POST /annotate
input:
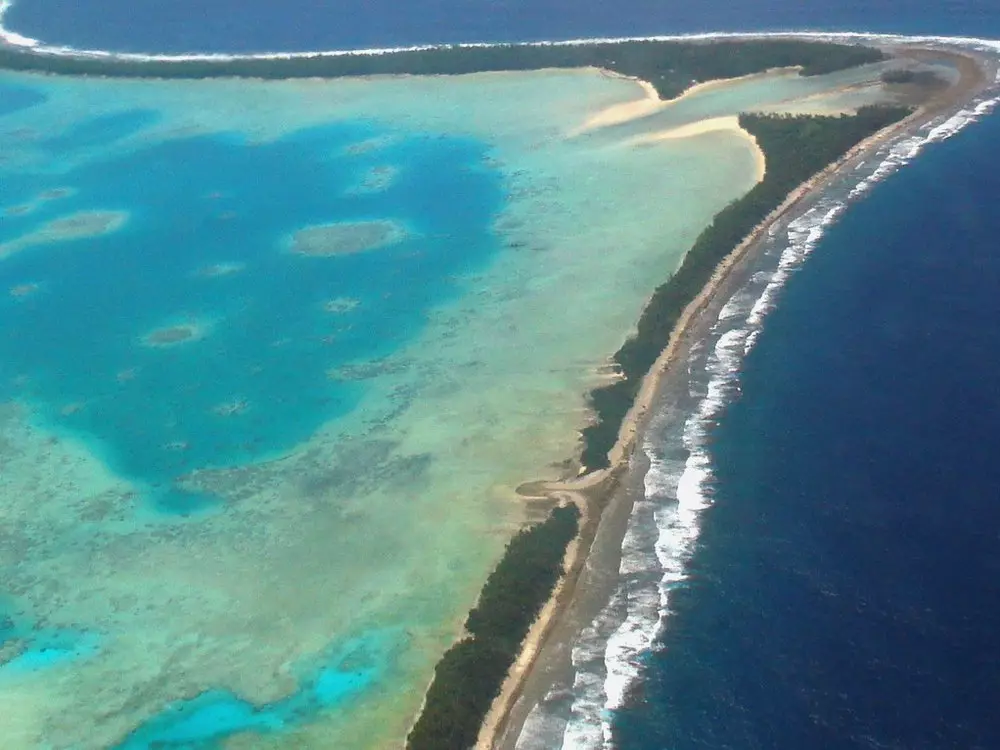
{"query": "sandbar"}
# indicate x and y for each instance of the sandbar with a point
(650, 102)
(622, 112)
(346, 238)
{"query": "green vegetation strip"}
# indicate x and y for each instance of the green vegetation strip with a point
(470, 674)
(670, 66)
(796, 148)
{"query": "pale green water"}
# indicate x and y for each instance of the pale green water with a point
(379, 527)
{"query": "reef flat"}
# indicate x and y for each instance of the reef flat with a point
(173, 335)
(320, 486)
(346, 237)
(75, 226)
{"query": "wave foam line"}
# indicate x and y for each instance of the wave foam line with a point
(678, 490)
(13, 39)
(9, 37)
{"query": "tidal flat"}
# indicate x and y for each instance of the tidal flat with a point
(267, 536)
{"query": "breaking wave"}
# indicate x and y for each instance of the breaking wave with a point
(12, 38)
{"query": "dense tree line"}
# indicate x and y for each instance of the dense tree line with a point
(470, 674)
(916, 77)
(796, 147)
(670, 66)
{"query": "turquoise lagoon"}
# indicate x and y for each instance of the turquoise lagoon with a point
(274, 357)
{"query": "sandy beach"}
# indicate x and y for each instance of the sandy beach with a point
(651, 102)
(730, 123)
(591, 561)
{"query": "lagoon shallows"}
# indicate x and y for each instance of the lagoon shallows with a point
(253, 492)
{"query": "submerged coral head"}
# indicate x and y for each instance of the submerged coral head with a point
(347, 238)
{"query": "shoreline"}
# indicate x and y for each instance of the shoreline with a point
(12, 40)
(651, 103)
(599, 494)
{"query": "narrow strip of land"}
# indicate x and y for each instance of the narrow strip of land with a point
(568, 609)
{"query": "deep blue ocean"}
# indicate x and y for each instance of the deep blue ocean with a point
(240, 26)
(845, 592)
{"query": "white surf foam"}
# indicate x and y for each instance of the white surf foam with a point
(12, 37)
(15, 39)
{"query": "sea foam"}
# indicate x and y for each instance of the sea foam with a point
(15, 39)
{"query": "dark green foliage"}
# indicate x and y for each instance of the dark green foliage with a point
(670, 66)
(466, 681)
(796, 147)
(918, 77)
(470, 674)
(510, 600)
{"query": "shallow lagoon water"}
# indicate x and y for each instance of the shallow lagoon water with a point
(248, 375)
(267, 531)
